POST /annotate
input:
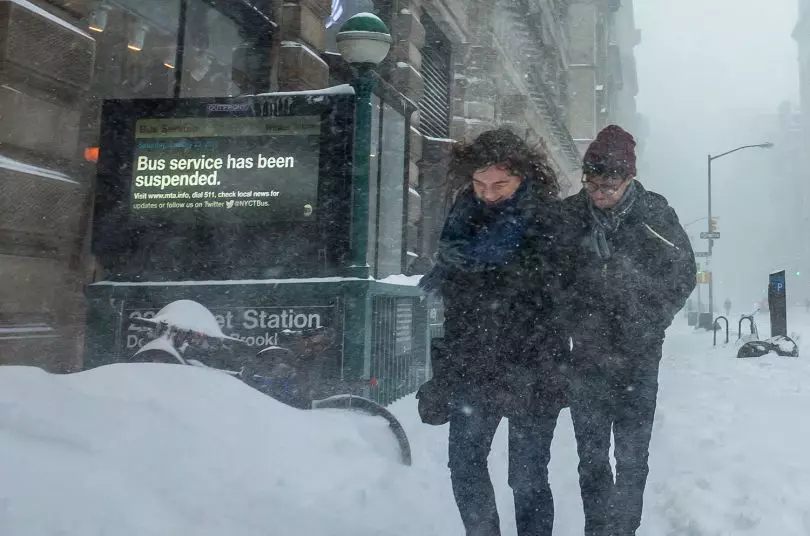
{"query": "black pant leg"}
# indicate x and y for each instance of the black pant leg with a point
(632, 430)
(472, 427)
(592, 415)
(530, 439)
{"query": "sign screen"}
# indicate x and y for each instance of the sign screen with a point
(254, 169)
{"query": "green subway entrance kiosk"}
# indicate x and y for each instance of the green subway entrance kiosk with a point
(245, 205)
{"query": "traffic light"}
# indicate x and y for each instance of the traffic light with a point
(713, 225)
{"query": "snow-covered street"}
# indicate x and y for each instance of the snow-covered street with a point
(164, 450)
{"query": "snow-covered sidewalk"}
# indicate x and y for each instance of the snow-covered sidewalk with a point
(164, 450)
(729, 454)
(729, 451)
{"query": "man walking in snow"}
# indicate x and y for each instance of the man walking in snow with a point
(727, 306)
(632, 269)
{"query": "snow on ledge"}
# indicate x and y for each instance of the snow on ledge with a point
(53, 18)
(36, 171)
(404, 280)
(442, 140)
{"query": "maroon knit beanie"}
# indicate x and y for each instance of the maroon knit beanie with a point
(612, 152)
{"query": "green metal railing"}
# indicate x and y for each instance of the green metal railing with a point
(398, 347)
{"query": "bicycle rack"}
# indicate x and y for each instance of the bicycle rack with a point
(716, 326)
(752, 326)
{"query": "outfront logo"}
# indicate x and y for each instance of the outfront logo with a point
(236, 107)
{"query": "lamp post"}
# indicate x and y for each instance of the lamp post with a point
(710, 159)
(364, 42)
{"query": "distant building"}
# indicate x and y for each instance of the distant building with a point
(625, 37)
(602, 68)
(801, 33)
(795, 124)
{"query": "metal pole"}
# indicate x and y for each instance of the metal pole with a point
(711, 242)
(709, 160)
(364, 87)
(180, 51)
(697, 287)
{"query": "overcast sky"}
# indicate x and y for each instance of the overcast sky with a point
(715, 56)
(708, 69)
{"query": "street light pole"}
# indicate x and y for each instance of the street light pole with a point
(364, 42)
(363, 84)
(710, 159)
(711, 241)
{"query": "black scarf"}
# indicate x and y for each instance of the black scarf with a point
(607, 221)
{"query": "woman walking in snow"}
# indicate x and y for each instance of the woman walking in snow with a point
(498, 358)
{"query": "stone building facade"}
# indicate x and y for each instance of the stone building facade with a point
(551, 69)
(602, 69)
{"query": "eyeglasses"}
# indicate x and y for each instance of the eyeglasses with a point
(608, 186)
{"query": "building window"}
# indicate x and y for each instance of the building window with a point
(210, 42)
(390, 194)
(135, 51)
(434, 108)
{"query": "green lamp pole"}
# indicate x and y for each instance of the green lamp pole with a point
(363, 41)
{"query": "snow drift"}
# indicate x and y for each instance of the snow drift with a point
(167, 450)
(150, 449)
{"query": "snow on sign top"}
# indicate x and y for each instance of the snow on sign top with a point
(342, 89)
(229, 282)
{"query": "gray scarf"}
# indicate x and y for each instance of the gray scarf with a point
(609, 220)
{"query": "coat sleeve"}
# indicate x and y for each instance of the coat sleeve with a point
(680, 269)
(565, 299)
(661, 290)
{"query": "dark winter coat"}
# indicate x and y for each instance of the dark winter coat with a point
(617, 310)
(499, 335)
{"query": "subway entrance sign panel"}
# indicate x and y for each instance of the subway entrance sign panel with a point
(225, 188)
(228, 169)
